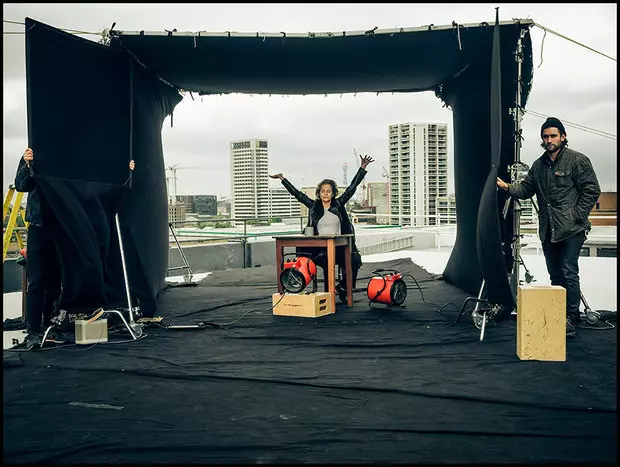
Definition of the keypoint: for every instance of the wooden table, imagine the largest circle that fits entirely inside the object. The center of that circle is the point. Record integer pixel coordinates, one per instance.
(328, 241)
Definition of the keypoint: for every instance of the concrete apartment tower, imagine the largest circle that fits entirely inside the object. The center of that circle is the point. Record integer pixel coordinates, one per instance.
(249, 161)
(418, 173)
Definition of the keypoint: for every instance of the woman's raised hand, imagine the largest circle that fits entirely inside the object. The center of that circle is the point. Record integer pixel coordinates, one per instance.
(365, 161)
(278, 176)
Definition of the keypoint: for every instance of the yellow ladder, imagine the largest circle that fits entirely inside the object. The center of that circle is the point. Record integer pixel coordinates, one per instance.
(10, 227)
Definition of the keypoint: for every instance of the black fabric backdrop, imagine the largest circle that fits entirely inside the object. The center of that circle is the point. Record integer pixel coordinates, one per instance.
(488, 234)
(90, 111)
(361, 386)
(87, 97)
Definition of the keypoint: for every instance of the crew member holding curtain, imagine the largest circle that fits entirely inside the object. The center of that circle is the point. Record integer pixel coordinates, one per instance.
(43, 267)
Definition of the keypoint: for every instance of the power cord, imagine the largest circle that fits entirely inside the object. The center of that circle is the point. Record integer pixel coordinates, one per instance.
(205, 324)
(420, 289)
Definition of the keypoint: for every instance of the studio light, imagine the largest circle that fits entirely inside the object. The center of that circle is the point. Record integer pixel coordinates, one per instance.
(298, 273)
(389, 289)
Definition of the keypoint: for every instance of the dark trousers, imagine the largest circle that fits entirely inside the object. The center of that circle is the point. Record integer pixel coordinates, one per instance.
(319, 256)
(43, 275)
(561, 258)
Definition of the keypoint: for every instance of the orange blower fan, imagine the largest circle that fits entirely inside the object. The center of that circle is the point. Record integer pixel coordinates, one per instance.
(388, 289)
(298, 273)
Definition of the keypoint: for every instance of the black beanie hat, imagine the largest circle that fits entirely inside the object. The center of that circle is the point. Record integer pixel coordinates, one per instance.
(553, 122)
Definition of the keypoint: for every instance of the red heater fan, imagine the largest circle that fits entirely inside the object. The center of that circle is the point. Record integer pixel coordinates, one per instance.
(388, 289)
(298, 273)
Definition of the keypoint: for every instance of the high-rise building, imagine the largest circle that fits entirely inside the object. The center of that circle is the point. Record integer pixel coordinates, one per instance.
(282, 204)
(249, 161)
(378, 196)
(418, 173)
(446, 209)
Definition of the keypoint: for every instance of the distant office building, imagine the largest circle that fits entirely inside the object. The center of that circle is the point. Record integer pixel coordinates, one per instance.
(176, 212)
(224, 207)
(378, 196)
(418, 174)
(282, 204)
(205, 205)
(249, 161)
(446, 209)
(606, 206)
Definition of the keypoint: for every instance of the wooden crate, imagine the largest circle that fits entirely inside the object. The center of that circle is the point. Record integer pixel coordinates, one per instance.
(303, 305)
(541, 323)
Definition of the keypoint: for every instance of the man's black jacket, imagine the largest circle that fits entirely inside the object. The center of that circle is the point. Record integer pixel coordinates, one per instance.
(566, 189)
(316, 210)
(25, 182)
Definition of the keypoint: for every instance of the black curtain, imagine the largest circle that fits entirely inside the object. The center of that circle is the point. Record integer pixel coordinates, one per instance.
(484, 145)
(489, 241)
(85, 119)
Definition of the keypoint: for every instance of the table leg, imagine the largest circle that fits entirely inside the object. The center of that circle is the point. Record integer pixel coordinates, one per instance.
(349, 270)
(279, 249)
(331, 269)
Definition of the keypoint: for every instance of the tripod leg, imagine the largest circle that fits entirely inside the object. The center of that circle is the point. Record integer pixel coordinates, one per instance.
(592, 316)
(484, 323)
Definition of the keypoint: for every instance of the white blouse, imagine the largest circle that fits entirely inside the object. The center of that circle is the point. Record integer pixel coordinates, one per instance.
(329, 224)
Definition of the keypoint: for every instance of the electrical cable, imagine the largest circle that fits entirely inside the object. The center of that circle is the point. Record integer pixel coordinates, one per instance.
(594, 131)
(203, 325)
(73, 31)
(573, 41)
(420, 289)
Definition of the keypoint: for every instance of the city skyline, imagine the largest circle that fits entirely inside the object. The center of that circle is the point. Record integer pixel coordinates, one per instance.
(312, 136)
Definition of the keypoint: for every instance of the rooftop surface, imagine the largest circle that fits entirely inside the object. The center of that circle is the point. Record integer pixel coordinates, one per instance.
(362, 385)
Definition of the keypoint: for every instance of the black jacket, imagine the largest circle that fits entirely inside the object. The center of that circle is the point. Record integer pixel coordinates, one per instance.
(316, 210)
(566, 189)
(24, 182)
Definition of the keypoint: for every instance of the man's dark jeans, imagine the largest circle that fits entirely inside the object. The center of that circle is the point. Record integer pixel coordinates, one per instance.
(562, 264)
(43, 275)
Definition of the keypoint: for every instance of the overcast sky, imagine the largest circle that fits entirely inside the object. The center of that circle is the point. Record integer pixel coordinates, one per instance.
(311, 137)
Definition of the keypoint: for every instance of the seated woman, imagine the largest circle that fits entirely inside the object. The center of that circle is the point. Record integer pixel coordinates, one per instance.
(328, 216)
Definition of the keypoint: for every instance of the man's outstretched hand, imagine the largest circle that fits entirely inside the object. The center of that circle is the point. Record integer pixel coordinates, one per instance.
(278, 176)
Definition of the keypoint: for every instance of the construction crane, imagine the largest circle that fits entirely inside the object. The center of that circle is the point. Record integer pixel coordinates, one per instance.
(364, 191)
(172, 176)
(344, 173)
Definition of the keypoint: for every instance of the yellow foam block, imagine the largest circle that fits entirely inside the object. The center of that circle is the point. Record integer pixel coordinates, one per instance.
(541, 323)
(303, 305)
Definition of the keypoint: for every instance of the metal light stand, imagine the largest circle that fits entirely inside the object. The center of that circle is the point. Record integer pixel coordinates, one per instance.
(134, 328)
(186, 277)
(517, 114)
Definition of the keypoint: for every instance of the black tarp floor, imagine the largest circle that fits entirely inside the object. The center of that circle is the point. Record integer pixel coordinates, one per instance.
(358, 386)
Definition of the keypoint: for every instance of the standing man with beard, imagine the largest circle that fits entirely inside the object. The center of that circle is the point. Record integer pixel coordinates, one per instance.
(567, 189)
